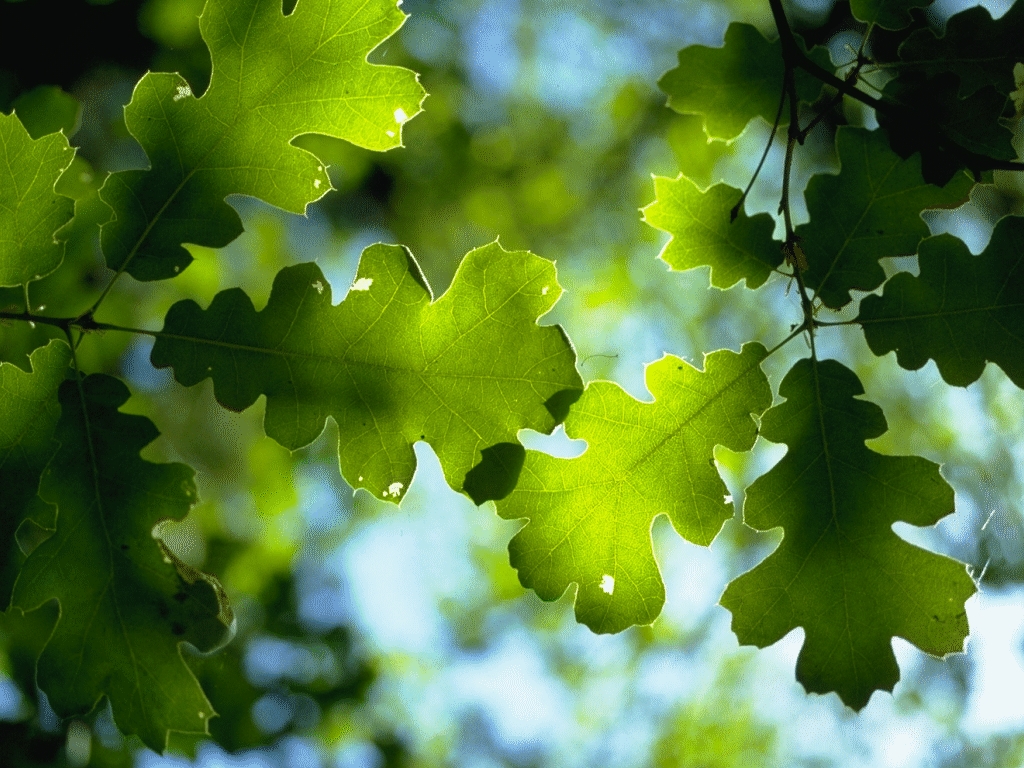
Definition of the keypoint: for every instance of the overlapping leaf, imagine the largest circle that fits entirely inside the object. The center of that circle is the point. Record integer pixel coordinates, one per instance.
(125, 603)
(274, 78)
(28, 417)
(463, 373)
(30, 211)
(961, 311)
(703, 233)
(870, 210)
(841, 572)
(979, 50)
(590, 518)
(733, 84)
(890, 14)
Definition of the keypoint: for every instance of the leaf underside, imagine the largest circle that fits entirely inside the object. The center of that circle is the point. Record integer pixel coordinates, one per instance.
(463, 373)
(274, 78)
(841, 572)
(590, 518)
(961, 311)
(126, 604)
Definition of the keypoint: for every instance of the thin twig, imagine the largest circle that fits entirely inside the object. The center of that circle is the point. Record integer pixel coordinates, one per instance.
(796, 58)
(764, 156)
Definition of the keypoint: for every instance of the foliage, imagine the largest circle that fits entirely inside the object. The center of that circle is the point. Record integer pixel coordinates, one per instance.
(85, 513)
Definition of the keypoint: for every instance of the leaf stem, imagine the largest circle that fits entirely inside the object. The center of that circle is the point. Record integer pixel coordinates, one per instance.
(796, 332)
(764, 156)
(791, 245)
(83, 324)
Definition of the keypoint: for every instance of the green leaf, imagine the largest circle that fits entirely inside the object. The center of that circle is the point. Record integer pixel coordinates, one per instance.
(961, 311)
(274, 78)
(126, 604)
(48, 109)
(704, 234)
(590, 518)
(30, 211)
(888, 14)
(733, 84)
(840, 572)
(463, 373)
(978, 49)
(729, 85)
(28, 417)
(870, 210)
(950, 133)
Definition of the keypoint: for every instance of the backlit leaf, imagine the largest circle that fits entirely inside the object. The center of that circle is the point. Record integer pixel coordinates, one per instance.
(962, 310)
(274, 78)
(841, 572)
(590, 517)
(126, 604)
(30, 211)
(704, 234)
(737, 82)
(869, 210)
(463, 373)
(28, 417)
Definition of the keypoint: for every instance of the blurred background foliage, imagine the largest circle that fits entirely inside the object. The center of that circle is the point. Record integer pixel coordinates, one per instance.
(372, 635)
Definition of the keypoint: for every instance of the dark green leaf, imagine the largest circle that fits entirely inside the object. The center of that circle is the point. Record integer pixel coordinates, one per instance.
(30, 211)
(274, 78)
(840, 572)
(590, 518)
(47, 109)
(870, 210)
(126, 604)
(961, 311)
(889, 14)
(28, 417)
(976, 48)
(703, 233)
(463, 373)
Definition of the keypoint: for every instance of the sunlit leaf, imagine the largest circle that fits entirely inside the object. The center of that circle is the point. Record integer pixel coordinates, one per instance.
(703, 233)
(30, 211)
(463, 373)
(274, 78)
(590, 518)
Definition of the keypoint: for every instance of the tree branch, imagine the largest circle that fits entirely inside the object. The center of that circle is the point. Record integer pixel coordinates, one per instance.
(794, 57)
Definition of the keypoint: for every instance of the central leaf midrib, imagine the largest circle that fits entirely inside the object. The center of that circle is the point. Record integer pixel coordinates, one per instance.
(848, 236)
(101, 515)
(343, 361)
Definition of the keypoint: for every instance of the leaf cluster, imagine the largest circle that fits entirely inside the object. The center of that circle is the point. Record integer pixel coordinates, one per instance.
(83, 516)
